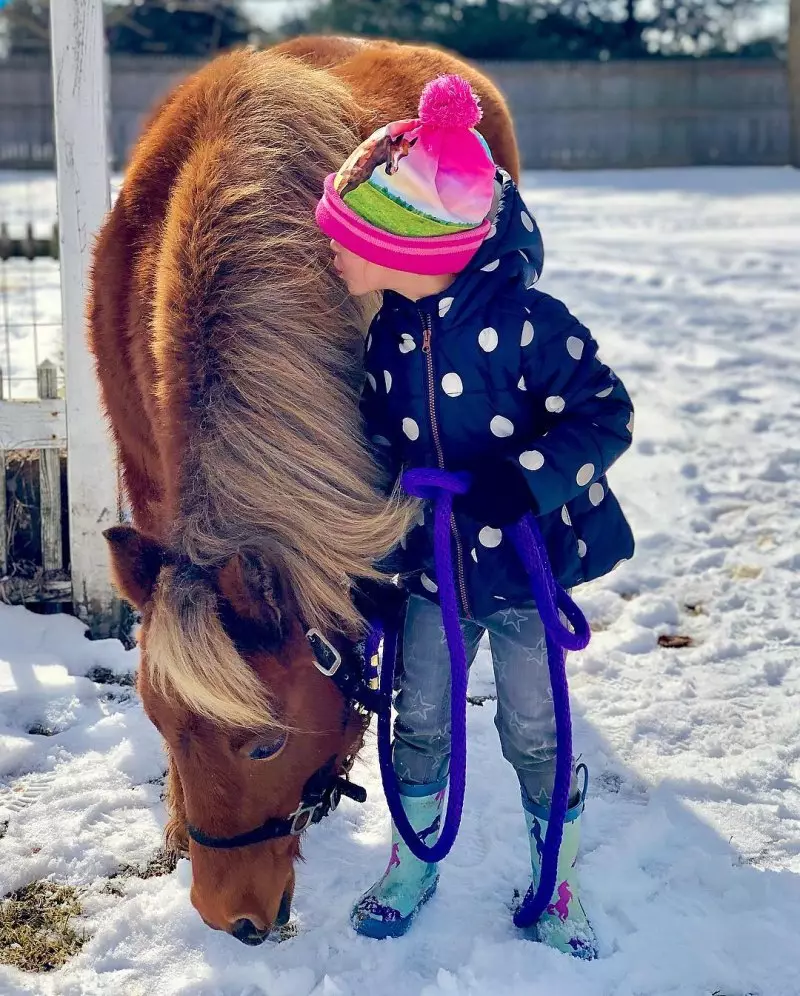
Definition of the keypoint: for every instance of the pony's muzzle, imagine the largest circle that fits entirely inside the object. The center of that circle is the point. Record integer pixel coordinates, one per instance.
(245, 930)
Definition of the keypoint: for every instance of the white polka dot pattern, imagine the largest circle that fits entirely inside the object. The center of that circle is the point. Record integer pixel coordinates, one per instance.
(526, 220)
(596, 493)
(585, 474)
(575, 347)
(581, 549)
(411, 429)
(452, 385)
(488, 340)
(565, 516)
(605, 392)
(532, 460)
(372, 382)
(427, 584)
(490, 538)
(490, 267)
(527, 334)
(444, 306)
(554, 404)
(407, 344)
(387, 379)
(522, 385)
(501, 427)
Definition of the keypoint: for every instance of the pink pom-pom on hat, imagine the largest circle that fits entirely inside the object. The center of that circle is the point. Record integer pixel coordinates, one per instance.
(449, 102)
(416, 194)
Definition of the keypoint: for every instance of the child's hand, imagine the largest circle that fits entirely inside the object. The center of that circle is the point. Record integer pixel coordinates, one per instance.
(499, 495)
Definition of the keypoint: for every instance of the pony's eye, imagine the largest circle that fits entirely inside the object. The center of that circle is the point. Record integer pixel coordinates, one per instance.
(270, 748)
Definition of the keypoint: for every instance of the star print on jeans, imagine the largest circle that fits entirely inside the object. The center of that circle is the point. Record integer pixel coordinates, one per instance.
(518, 723)
(500, 664)
(536, 656)
(421, 707)
(542, 799)
(513, 619)
(402, 770)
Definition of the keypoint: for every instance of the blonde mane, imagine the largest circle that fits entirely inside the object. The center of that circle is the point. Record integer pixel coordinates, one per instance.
(257, 350)
(261, 346)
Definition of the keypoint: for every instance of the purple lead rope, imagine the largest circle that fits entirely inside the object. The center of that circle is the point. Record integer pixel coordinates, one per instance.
(439, 486)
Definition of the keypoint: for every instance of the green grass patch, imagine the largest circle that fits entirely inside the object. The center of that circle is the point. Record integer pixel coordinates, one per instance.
(36, 927)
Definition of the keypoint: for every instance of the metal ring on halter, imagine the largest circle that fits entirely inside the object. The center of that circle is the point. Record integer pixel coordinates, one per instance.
(297, 826)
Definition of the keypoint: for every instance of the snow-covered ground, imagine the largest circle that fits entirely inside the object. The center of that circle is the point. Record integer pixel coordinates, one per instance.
(691, 282)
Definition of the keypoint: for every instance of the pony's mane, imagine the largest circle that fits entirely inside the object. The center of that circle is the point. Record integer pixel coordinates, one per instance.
(257, 345)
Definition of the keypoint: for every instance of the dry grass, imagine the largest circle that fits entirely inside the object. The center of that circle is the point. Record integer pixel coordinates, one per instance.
(163, 862)
(105, 676)
(675, 641)
(37, 933)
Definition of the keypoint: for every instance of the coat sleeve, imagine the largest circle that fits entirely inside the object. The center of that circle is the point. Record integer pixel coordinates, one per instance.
(588, 412)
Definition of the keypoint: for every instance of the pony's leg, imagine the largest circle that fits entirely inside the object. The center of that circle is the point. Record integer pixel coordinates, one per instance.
(176, 838)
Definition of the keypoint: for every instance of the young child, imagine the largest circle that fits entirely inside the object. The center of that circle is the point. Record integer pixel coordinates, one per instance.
(470, 368)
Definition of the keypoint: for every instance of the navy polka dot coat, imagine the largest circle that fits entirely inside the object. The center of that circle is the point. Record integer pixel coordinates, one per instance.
(493, 368)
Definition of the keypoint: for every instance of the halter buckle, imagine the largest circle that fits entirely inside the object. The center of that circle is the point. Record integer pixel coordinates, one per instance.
(327, 658)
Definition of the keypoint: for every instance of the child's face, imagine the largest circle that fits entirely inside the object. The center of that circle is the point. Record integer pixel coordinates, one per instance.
(361, 276)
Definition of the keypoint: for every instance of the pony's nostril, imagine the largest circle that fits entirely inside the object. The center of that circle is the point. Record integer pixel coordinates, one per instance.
(245, 930)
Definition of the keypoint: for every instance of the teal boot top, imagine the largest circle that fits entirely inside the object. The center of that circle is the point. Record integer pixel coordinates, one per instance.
(388, 908)
(564, 924)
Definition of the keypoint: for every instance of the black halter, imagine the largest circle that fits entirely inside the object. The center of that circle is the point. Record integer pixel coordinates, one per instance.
(324, 789)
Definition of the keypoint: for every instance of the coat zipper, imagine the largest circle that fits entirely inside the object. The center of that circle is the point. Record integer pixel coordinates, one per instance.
(427, 332)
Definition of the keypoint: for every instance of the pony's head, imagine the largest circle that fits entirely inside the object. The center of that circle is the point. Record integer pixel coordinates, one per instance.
(229, 679)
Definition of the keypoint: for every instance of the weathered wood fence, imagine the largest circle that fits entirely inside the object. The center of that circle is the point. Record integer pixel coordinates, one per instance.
(690, 112)
(37, 428)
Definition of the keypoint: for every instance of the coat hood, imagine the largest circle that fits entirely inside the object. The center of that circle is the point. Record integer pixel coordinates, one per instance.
(511, 253)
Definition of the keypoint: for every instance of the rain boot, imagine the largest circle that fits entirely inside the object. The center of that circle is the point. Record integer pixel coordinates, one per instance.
(389, 907)
(564, 924)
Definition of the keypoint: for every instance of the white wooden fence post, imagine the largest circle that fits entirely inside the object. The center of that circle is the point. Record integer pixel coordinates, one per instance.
(79, 85)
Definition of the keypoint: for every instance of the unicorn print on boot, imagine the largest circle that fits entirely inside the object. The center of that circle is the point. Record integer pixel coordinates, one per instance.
(564, 924)
(389, 907)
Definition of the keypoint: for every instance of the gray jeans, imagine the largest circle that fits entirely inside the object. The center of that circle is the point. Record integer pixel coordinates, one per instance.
(525, 719)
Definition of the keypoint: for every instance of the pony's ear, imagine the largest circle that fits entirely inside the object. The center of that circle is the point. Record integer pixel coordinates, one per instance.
(136, 561)
(253, 590)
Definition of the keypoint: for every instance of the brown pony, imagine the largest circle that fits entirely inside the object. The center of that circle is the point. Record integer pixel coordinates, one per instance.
(230, 362)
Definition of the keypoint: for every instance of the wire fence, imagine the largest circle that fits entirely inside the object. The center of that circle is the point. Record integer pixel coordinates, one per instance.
(33, 509)
(30, 290)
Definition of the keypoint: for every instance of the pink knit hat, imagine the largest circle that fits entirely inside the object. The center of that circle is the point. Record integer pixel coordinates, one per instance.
(416, 194)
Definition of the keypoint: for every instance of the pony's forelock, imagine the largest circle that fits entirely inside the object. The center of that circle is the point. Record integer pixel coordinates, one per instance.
(190, 657)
